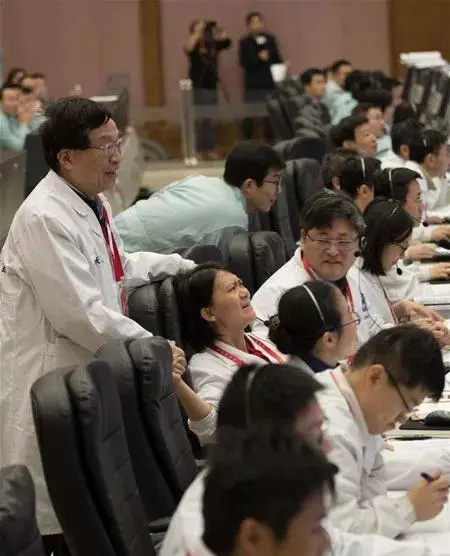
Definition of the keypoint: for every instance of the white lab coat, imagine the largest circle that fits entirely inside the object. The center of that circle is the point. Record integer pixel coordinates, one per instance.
(433, 198)
(392, 160)
(59, 304)
(362, 502)
(265, 301)
(210, 374)
(186, 530)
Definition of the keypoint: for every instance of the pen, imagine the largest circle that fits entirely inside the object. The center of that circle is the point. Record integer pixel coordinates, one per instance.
(427, 477)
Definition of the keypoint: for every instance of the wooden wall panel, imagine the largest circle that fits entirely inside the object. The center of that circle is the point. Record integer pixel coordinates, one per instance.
(152, 58)
(419, 25)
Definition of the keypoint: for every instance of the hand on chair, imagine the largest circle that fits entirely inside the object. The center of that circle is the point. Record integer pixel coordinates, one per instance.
(179, 362)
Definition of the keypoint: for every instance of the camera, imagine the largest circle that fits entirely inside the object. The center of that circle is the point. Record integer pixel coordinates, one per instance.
(208, 33)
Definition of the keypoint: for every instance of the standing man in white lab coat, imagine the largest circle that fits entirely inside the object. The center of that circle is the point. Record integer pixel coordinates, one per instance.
(388, 377)
(64, 277)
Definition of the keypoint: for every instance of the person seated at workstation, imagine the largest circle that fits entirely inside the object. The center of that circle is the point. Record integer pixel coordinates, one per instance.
(401, 132)
(266, 492)
(314, 326)
(374, 108)
(335, 84)
(205, 210)
(354, 133)
(386, 238)
(215, 311)
(428, 156)
(258, 50)
(16, 114)
(357, 179)
(388, 377)
(331, 167)
(313, 110)
(331, 229)
(282, 395)
(29, 97)
(400, 184)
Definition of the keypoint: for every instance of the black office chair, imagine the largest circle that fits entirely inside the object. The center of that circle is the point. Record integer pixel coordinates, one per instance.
(204, 254)
(143, 306)
(240, 260)
(156, 495)
(19, 534)
(86, 462)
(36, 166)
(281, 127)
(268, 255)
(169, 313)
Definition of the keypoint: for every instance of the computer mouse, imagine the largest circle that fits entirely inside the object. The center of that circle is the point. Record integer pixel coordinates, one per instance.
(438, 418)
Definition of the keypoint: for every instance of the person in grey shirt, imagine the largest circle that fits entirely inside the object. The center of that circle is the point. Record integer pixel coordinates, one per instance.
(205, 210)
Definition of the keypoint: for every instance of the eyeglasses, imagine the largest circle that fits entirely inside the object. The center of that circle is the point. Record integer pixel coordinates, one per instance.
(408, 410)
(110, 148)
(341, 244)
(356, 319)
(277, 183)
(403, 248)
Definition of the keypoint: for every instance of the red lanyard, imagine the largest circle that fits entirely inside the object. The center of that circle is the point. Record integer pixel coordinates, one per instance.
(269, 356)
(347, 290)
(343, 394)
(114, 258)
(388, 301)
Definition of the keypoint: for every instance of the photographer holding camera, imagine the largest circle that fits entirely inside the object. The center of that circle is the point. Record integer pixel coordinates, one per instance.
(206, 40)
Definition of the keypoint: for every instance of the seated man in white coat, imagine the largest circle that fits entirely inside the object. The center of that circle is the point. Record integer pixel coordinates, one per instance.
(265, 494)
(64, 277)
(279, 395)
(388, 377)
(428, 156)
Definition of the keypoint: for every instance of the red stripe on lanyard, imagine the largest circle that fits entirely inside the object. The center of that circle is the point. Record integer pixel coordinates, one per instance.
(269, 356)
(114, 259)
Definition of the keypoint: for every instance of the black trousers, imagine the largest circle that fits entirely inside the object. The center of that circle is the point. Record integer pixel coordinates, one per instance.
(56, 545)
(248, 125)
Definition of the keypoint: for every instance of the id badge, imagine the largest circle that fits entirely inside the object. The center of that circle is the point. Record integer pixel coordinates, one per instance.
(122, 297)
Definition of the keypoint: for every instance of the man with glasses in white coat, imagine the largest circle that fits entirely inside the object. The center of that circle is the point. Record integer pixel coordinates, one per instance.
(64, 278)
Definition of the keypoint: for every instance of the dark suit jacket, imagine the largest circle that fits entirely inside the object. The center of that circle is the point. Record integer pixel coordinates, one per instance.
(257, 72)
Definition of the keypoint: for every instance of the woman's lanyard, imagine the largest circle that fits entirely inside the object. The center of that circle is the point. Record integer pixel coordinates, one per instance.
(114, 258)
(347, 290)
(269, 356)
(388, 301)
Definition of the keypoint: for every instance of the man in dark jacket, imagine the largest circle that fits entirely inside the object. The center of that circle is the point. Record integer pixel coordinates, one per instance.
(258, 50)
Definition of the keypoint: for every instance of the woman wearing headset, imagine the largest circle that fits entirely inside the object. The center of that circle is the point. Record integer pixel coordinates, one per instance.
(387, 237)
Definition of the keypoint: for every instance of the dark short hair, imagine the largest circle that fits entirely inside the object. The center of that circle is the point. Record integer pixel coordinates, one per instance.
(323, 208)
(393, 183)
(251, 15)
(402, 132)
(38, 75)
(251, 160)
(9, 86)
(11, 75)
(404, 111)
(345, 129)
(299, 325)
(307, 76)
(194, 290)
(332, 165)
(357, 171)
(26, 90)
(336, 66)
(411, 355)
(386, 223)
(68, 124)
(357, 81)
(422, 144)
(373, 99)
(264, 473)
(268, 393)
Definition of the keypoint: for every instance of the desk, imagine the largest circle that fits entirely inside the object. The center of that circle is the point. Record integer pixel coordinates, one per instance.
(12, 180)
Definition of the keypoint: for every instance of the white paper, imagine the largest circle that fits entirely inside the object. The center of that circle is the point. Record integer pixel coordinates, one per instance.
(105, 98)
(278, 72)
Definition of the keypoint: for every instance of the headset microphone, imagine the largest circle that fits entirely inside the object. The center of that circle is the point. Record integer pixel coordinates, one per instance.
(357, 253)
(425, 223)
(399, 271)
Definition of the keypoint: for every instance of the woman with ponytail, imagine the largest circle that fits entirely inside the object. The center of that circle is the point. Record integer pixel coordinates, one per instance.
(314, 326)
(215, 311)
